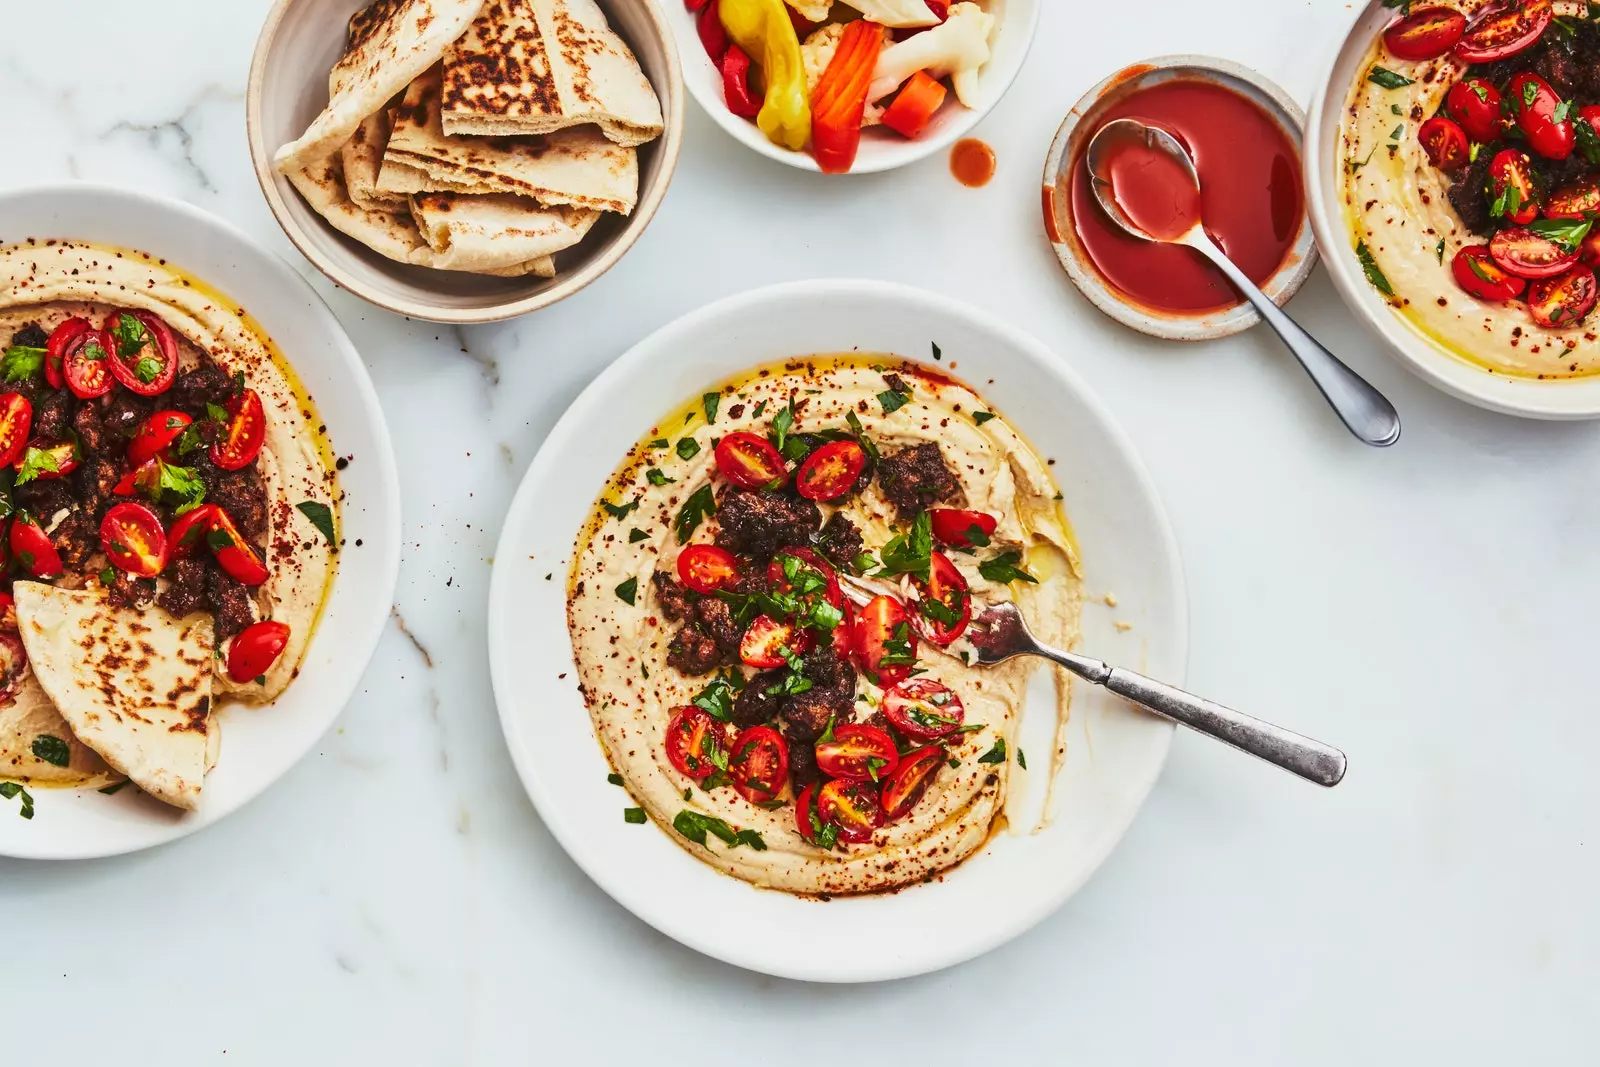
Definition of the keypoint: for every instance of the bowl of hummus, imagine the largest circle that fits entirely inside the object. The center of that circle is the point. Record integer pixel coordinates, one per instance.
(698, 704)
(1453, 171)
(177, 520)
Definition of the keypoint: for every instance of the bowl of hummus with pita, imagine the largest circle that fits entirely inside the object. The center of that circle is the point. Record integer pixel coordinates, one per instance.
(173, 525)
(733, 641)
(1456, 160)
(464, 160)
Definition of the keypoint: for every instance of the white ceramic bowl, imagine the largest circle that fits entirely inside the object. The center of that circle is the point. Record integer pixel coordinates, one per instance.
(288, 86)
(1084, 121)
(881, 149)
(259, 745)
(1324, 163)
(1014, 881)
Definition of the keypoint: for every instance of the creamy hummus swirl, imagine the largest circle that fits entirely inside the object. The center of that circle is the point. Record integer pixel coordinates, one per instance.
(621, 648)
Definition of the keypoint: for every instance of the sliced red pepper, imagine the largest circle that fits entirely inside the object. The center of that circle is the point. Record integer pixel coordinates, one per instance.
(916, 105)
(742, 100)
(841, 97)
(713, 38)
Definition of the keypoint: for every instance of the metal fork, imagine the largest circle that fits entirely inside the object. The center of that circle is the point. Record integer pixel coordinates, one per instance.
(1000, 633)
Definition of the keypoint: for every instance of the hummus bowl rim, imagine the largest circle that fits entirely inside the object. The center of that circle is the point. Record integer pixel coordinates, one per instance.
(80, 823)
(1566, 399)
(1013, 882)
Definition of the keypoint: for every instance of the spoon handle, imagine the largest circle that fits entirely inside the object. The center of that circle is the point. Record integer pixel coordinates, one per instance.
(1296, 753)
(1364, 410)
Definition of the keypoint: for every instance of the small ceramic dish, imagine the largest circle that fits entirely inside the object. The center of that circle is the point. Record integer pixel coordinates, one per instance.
(1114, 751)
(288, 86)
(1573, 398)
(1083, 121)
(881, 149)
(259, 744)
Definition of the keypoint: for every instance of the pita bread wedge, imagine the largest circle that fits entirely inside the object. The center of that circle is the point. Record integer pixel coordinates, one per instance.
(577, 167)
(537, 66)
(389, 232)
(470, 231)
(390, 43)
(361, 157)
(134, 686)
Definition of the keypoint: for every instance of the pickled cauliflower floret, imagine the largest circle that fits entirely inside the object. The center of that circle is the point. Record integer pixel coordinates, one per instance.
(957, 47)
(812, 10)
(901, 14)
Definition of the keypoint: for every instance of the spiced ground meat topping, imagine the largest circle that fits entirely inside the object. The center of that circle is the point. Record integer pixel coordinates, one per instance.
(916, 478)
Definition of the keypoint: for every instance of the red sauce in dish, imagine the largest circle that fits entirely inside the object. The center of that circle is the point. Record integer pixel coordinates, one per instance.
(1250, 198)
(972, 162)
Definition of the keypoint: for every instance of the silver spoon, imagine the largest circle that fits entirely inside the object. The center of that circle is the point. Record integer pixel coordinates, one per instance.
(999, 633)
(1362, 408)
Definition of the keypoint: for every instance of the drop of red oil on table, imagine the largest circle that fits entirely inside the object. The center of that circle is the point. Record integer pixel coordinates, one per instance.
(972, 162)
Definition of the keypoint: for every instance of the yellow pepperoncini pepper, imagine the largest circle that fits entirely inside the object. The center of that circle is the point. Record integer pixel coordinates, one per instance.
(763, 30)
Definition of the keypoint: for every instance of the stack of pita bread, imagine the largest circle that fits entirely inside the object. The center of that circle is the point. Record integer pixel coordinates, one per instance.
(476, 135)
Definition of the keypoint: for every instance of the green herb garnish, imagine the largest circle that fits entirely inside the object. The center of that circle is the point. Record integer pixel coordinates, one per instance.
(700, 505)
(52, 750)
(320, 516)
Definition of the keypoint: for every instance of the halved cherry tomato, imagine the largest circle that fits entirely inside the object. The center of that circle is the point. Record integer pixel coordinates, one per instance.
(155, 435)
(189, 530)
(919, 100)
(1564, 301)
(143, 475)
(922, 707)
(806, 820)
(1445, 142)
(144, 357)
(694, 741)
(905, 786)
(944, 608)
(1478, 273)
(1589, 251)
(255, 650)
(1475, 106)
(16, 420)
(1504, 29)
(233, 552)
(750, 462)
(851, 806)
(241, 439)
(707, 568)
(133, 540)
(60, 338)
(844, 635)
(759, 764)
(66, 456)
(831, 471)
(880, 625)
(1516, 190)
(858, 753)
(778, 576)
(32, 547)
(1426, 33)
(763, 643)
(1576, 200)
(1535, 106)
(1529, 255)
(954, 527)
(84, 364)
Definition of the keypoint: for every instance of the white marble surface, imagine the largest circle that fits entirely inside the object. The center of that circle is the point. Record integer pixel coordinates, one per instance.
(395, 898)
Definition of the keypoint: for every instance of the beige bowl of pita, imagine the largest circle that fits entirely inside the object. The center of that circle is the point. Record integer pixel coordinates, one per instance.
(464, 160)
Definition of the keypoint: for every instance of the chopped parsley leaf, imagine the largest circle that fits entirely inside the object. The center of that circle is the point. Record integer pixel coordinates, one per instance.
(981, 417)
(1369, 266)
(655, 477)
(633, 815)
(628, 591)
(636, 535)
(52, 750)
(614, 778)
(693, 512)
(1387, 79)
(695, 826)
(710, 402)
(21, 363)
(997, 754)
(320, 516)
(688, 448)
(1003, 568)
(8, 790)
(618, 511)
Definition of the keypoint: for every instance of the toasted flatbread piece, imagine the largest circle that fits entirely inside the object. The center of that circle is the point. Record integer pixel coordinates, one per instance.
(134, 686)
(389, 232)
(467, 230)
(537, 66)
(389, 44)
(578, 167)
(362, 155)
